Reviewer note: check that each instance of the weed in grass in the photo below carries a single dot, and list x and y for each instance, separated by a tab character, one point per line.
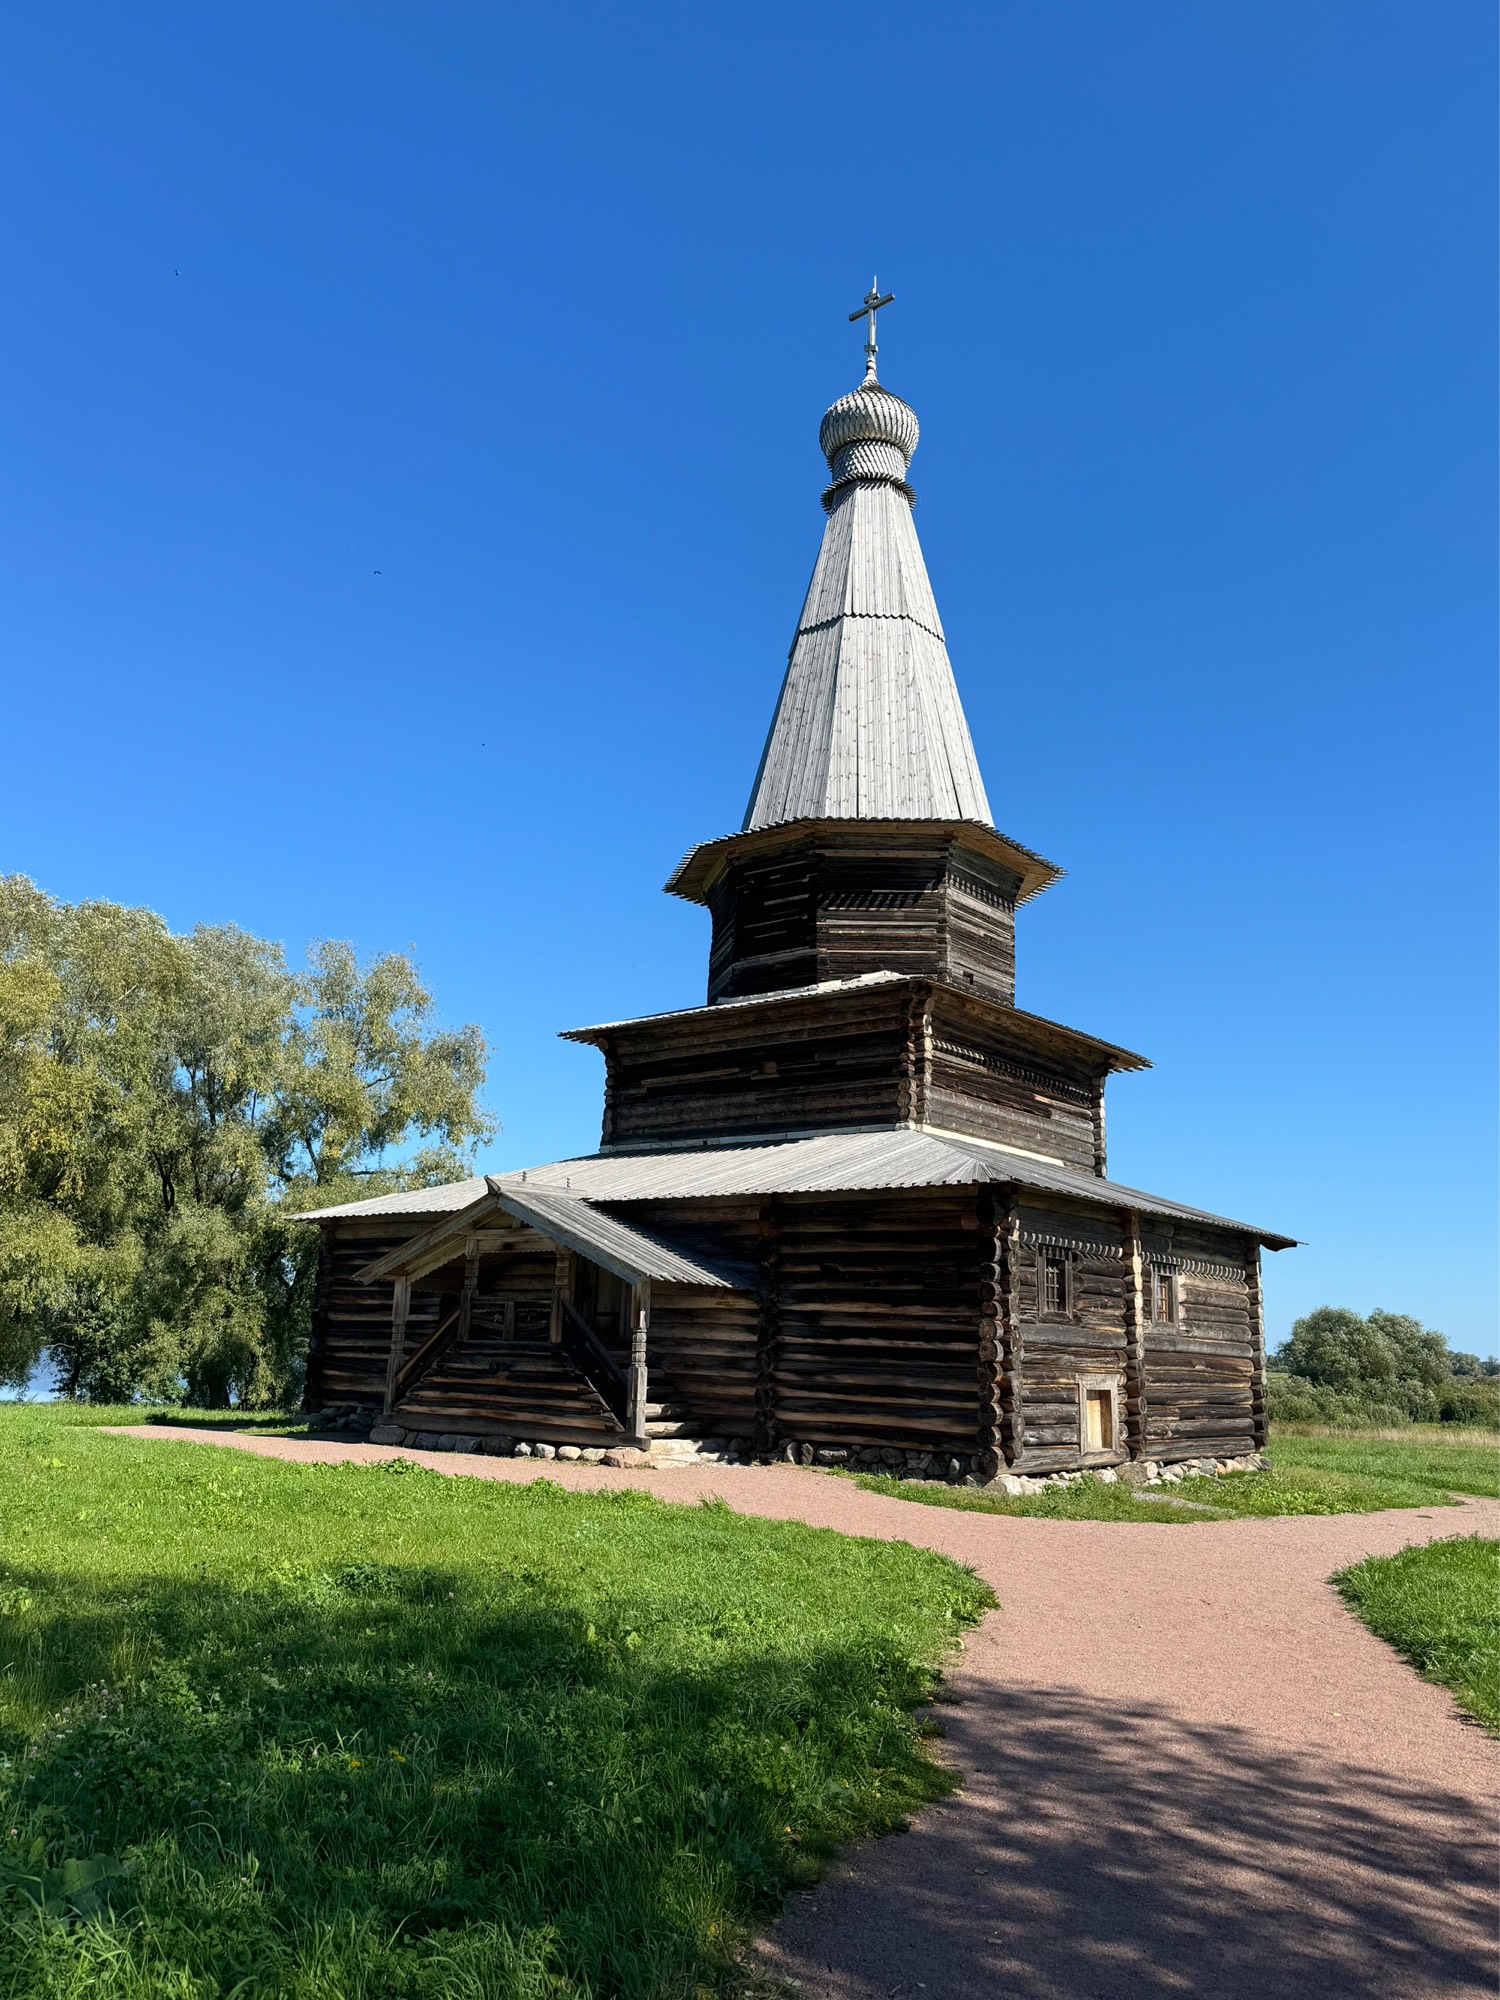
1440	1606
368	1731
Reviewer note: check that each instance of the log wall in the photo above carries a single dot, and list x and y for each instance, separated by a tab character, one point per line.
738	1072
1204	1377
831	906
876	1057
350	1343
702	1349
913	1318
1088	1337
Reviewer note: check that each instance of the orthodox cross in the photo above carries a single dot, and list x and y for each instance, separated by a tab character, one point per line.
872	304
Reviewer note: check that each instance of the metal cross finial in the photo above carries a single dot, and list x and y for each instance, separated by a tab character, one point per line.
872	304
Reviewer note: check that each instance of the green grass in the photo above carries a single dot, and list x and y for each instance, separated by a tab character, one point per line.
1440	1606
1332	1473
1250	1494
95	1416
1462	1461
371	1733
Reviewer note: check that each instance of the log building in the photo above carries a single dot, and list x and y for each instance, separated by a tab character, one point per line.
856	1205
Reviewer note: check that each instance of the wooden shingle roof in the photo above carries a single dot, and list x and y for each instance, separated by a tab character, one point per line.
869	724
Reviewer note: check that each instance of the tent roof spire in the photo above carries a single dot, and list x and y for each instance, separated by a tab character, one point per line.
869	724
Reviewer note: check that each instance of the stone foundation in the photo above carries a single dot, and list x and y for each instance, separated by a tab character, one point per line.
942	1467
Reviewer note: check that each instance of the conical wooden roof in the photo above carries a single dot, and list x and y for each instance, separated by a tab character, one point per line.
869	724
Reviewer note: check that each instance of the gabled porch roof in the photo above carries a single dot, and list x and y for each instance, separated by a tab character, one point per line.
565	1219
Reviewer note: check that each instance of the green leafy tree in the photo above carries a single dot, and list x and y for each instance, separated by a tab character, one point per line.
166	1104
1338	1349
1417	1353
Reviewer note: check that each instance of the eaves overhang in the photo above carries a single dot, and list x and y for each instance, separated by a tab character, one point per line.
1033	1029
695	875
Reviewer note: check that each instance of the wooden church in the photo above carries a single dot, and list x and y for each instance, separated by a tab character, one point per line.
854	1208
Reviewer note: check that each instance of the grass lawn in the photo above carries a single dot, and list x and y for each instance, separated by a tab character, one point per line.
359	1733
1440	1606
1330	1473
1443	1458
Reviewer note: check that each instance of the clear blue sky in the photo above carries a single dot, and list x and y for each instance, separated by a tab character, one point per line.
534	309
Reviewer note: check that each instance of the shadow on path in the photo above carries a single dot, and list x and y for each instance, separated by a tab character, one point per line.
1101	1855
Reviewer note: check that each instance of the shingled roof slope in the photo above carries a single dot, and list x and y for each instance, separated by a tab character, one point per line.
869	724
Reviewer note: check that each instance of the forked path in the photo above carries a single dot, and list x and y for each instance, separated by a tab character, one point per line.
1187	1770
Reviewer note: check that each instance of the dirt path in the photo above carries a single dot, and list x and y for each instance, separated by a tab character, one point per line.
1187	1770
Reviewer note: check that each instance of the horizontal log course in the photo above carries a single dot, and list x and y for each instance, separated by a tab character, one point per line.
1197	1343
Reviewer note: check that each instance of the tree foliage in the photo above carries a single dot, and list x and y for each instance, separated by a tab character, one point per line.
167	1104
1386	1366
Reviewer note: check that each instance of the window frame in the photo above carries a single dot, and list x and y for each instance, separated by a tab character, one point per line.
1166	1283
1111	1385
1047	1255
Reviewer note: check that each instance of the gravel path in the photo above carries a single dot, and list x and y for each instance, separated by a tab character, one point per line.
1188	1771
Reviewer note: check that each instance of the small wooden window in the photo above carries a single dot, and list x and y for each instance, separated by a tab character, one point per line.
1164	1308
1099	1420
1054	1282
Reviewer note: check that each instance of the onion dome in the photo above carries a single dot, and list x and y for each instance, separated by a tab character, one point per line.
869	435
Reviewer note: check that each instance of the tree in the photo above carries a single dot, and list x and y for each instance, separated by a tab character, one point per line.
1417	1353
363	1069
166	1104
1337	1349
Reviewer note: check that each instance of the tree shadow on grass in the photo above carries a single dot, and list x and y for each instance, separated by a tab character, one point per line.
394	1767
1098	1854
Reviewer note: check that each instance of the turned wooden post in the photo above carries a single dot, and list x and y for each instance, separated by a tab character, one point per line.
562	1288
471	1286
400	1307
1135	1337
640	1318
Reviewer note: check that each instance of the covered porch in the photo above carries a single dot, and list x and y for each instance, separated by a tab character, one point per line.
527	1314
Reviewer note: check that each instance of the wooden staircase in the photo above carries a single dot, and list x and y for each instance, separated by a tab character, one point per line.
487	1386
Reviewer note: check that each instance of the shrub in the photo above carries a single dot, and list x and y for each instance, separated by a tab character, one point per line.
1470	1402
1387	1368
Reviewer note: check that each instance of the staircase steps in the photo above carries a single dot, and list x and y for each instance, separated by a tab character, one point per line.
519	1388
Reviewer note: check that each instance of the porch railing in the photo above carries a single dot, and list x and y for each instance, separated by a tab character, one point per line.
432	1349
593	1361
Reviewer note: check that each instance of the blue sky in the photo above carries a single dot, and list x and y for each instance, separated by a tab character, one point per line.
409	482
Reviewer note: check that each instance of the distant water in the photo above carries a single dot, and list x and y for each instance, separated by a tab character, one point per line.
40	1385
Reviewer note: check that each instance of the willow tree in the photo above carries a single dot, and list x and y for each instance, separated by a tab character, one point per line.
166	1104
